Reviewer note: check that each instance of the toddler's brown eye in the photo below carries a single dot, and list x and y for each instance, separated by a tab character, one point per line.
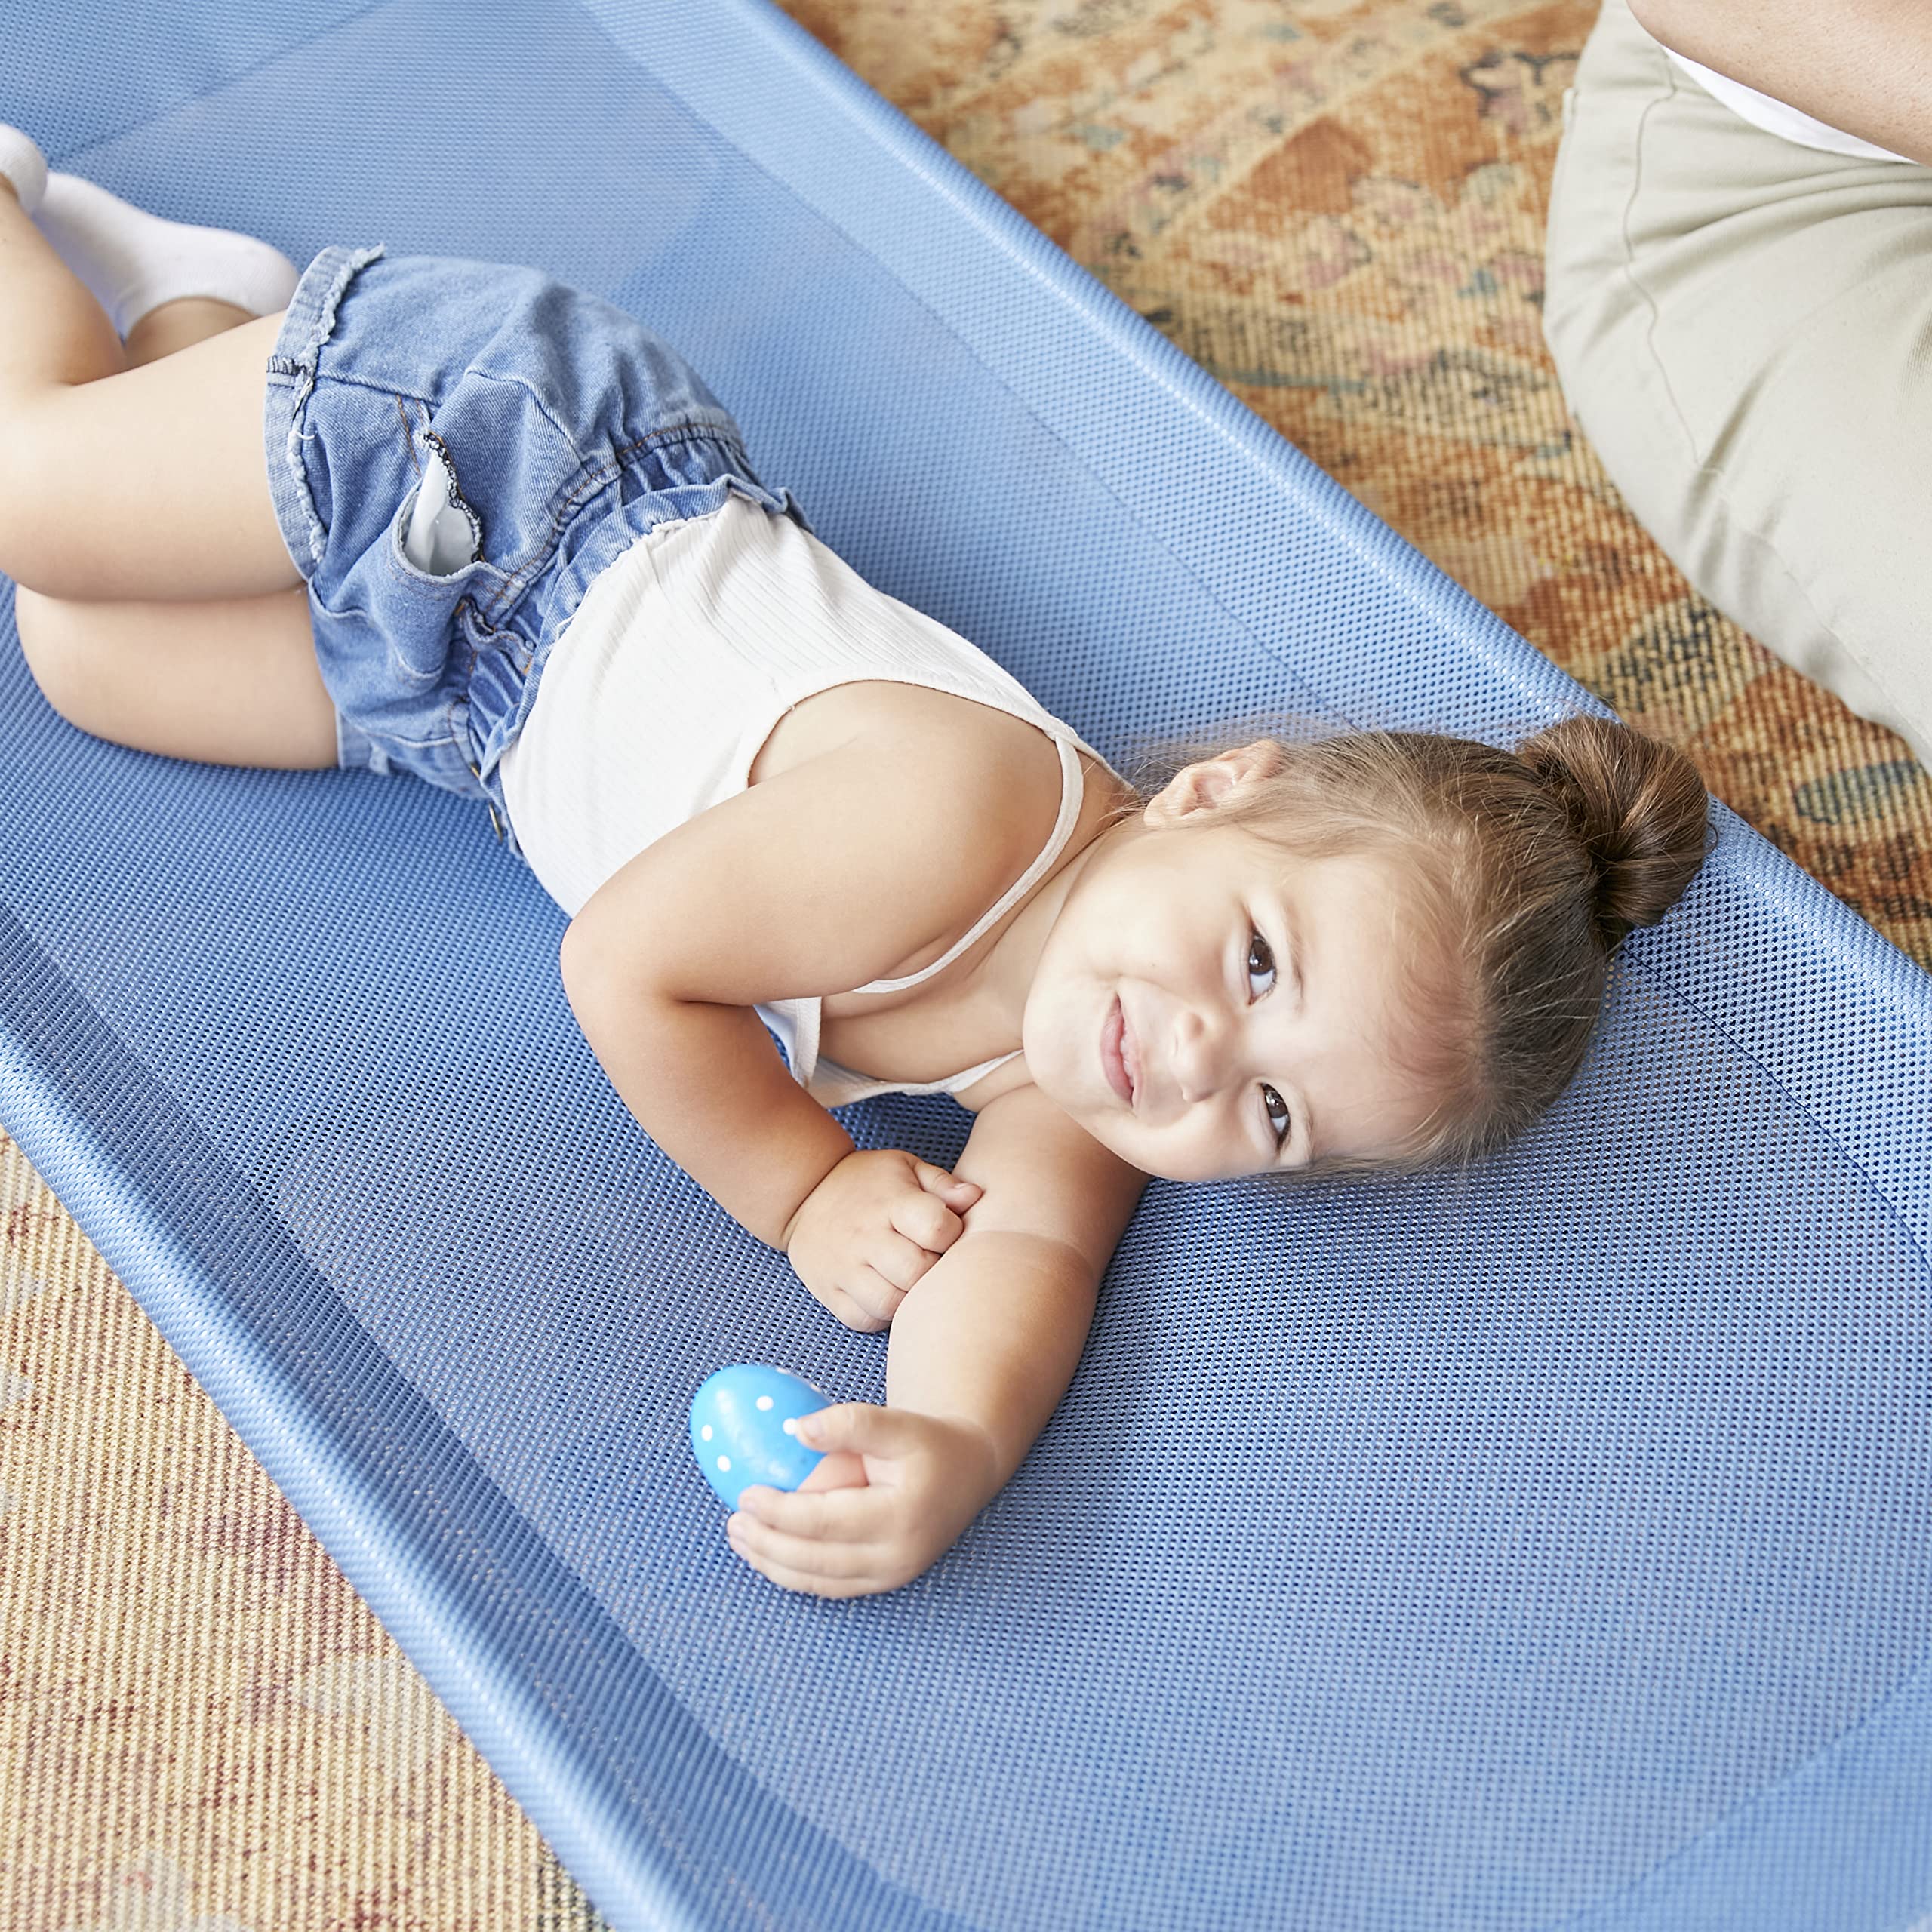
1266	962
1261	959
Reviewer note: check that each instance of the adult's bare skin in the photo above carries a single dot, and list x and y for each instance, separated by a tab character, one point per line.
1864	67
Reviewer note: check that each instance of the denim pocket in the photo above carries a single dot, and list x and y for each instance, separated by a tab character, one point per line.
454	519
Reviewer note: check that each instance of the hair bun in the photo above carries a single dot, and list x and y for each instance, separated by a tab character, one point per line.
1637	806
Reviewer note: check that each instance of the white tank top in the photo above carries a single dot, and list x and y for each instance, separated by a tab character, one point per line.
666	682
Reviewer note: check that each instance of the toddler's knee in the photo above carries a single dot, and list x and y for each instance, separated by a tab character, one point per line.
48	643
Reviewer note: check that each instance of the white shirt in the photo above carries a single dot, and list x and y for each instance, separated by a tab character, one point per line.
659	692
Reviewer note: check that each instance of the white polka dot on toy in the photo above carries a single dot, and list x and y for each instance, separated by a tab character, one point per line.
706	1432
764	1401
724	1461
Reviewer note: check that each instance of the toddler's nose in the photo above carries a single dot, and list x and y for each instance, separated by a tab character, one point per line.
1197	1054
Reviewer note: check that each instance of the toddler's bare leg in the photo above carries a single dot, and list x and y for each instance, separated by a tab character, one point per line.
120	483
229	682
179	325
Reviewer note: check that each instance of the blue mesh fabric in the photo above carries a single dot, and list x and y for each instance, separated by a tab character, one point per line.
1543	1547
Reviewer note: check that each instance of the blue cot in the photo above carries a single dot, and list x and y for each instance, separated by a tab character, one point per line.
1547	1547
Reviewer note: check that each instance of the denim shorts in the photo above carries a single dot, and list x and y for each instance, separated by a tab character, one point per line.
571	431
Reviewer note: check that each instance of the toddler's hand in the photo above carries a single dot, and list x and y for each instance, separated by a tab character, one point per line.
899	1487
871	1228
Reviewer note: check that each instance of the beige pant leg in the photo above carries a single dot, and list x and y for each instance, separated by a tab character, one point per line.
1743	328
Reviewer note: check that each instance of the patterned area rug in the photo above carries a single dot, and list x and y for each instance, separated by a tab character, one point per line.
1337	209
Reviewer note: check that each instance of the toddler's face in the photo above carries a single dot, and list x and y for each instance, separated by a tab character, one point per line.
1207	1005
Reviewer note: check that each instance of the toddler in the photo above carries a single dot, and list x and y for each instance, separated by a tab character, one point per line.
458	520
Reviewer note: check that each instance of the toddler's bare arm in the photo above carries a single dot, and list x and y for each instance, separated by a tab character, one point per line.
993	1331
991	1336
821	878
983	1349
703	1082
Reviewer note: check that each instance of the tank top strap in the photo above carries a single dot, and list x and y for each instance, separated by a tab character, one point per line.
1071	796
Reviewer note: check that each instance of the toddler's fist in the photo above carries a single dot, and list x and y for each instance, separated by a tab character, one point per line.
871	1228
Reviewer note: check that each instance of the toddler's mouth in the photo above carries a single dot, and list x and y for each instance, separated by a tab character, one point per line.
1115	1062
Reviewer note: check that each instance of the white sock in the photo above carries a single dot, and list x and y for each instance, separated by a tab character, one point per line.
23	163
134	261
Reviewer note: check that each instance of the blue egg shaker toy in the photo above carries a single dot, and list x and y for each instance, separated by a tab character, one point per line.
741	1420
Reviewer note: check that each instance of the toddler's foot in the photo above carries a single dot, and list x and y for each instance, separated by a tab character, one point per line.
23	164
134	261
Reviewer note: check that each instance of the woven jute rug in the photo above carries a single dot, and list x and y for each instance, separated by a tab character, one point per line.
1336	209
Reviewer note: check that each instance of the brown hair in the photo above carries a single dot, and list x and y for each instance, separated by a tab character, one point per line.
1528	868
